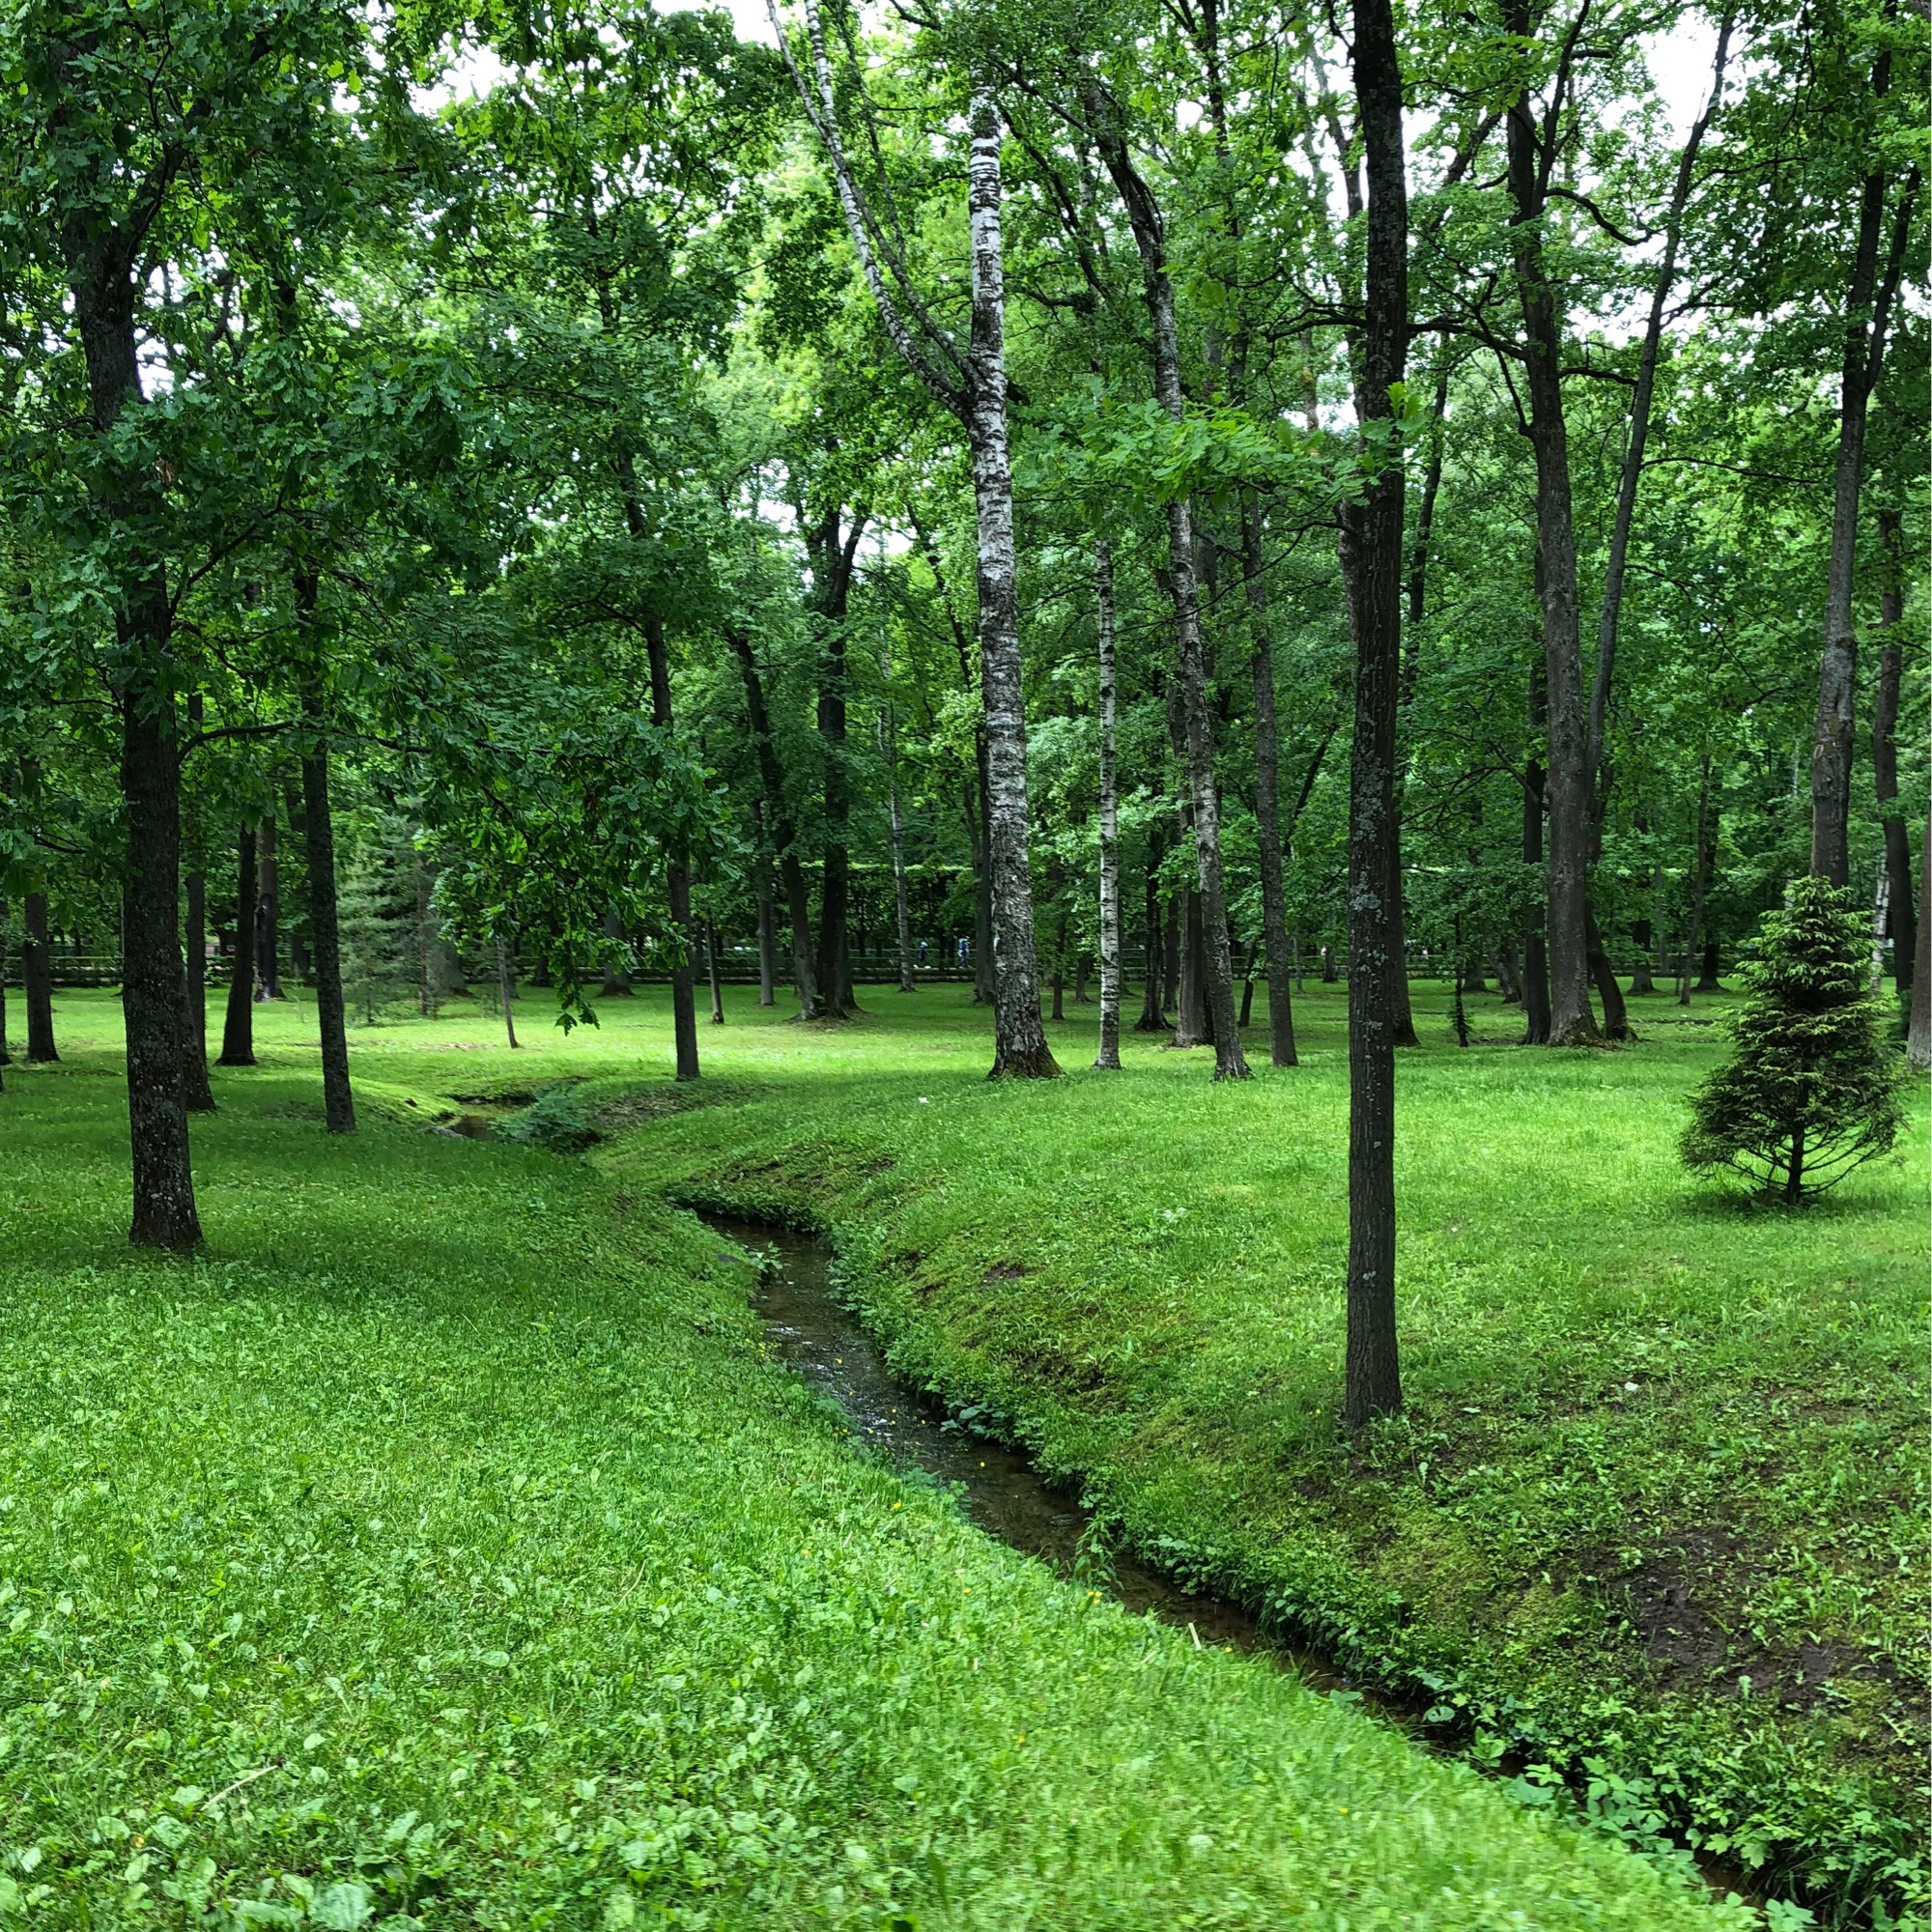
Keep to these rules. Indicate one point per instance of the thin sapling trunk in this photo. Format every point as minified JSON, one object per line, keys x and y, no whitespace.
{"x":1109,"y":1055}
{"x":237,"y":1029}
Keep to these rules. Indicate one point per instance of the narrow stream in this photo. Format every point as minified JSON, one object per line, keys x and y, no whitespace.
{"x":1004,"y":1494}
{"x":1002,"y":1491}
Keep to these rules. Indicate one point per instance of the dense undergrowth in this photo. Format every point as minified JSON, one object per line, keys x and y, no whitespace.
{"x":442,"y":1548}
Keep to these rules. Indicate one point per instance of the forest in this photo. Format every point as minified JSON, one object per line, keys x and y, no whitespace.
{"x":1201,"y":724}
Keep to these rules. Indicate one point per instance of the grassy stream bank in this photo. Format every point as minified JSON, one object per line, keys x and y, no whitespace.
{"x":444,"y":1547}
{"x":1655,"y":1513}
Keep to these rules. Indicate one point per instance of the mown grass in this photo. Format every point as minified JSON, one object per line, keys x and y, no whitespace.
{"x":444,"y":1547}
{"x":1655,"y":1514}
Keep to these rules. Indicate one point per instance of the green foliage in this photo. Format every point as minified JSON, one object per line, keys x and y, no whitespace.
{"x":555,"y":1122}
{"x":1812,"y":1087}
{"x":445,"y":1549}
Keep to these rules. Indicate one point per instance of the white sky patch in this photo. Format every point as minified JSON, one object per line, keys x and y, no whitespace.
{"x":1680,"y":66}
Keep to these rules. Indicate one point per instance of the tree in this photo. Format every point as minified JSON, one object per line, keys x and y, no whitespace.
{"x":1878,"y":266}
{"x":375,"y":920}
{"x":1812,"y":1090}
{"x":138,"y":143}
{"x":1109,"y":1055}
{"x":972,"y":387}
{"x":1371,"y":560}
{"x":1143,"y":218}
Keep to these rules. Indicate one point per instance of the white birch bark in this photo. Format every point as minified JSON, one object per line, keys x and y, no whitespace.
{"x":1109,"y":1055}
{"x":1020,"y":1038}
{"x":1881,"y":919}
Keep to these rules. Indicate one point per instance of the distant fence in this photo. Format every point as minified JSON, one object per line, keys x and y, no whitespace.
{"x":737,"y":966}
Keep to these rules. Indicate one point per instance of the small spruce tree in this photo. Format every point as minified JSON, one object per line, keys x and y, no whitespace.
{"x":1812,"y":1090}
{"x":377,"y":921}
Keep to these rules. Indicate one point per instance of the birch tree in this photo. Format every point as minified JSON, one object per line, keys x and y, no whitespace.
{"x":971,"y":385}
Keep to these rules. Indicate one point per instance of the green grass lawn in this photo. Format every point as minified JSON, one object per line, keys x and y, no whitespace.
{"x":442,"y":1548}
{"x":1656,"y":1512}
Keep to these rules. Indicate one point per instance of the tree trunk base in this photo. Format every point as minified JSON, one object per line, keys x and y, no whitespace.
{"x":1581,"y":1031}
{"x":1039,"y":1065}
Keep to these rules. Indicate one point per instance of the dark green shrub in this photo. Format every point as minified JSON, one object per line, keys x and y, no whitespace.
{"x":1812,"y":1090}
{"x":555,"y":1122}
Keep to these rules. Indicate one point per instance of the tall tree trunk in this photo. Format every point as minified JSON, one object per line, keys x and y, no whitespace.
{"x":37,"y":978}
{"x":195,"y":895}
{"x":338,"y":1102}
{"x":1699,"y":882}
{"x":1571,"y":1021}
{"x":6,"y":1055}
{"x":164,"y":1212}
{"x":1867,"y":312}
{"x":1020,"y":1048}
{"x":1206,"y":28}
{"x":1194,"y":1012}
{"x":783,"y":834}
{"x":1642,"y":980}
{"x":1193,"y":1024}
{"x":1535,"y":961}
{"x":1371,"y":552}
{"x":978,"y":793}
{"x":1144,"y":216}
{"x":1403,"y":1016}
{"x":197,"y":1096}
{"x":683,"y":997}
{"x":1268,"y":797}
{"x":237,"y":1029}
{"x":268,"y":913}
{"x":1616,"y":1021}
{"x":101,"y":273}
{"x":1904,"y":928}
{"x":1169,"y":953}
{"x":1918,"y":1028}
{"x":832,"y":572}
{"x":426,"y":988}
{"x":442,"y":959}
{"x":767,"y":938}
{"x":901,"y":902}
{"x":983,"y":886}
{"x":1153,"y":1011}
{"x":1109,"y":1055}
